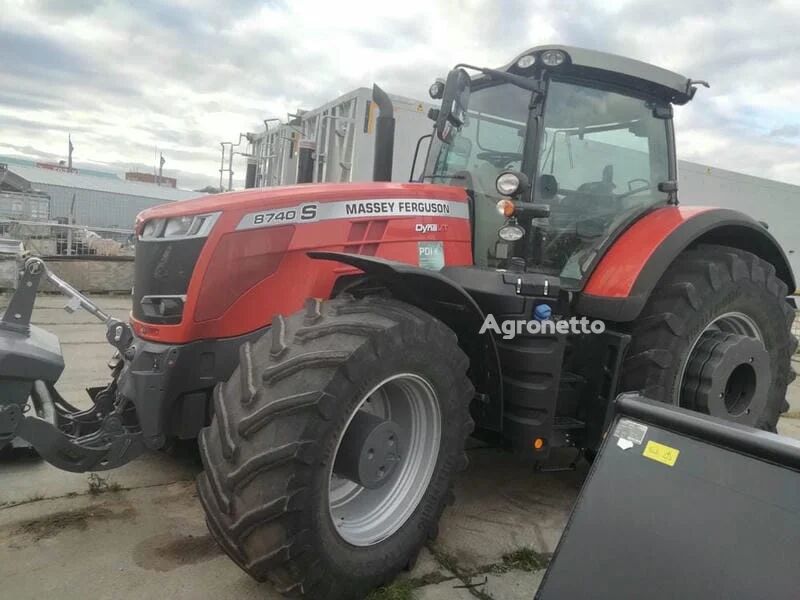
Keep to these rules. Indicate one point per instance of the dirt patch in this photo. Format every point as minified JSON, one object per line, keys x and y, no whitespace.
{"x":167,"y":552}
{"x":183,"y":493}
{"x":51,"y":525}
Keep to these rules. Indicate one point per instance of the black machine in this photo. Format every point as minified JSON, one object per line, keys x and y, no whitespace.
{"x":682,"y":505}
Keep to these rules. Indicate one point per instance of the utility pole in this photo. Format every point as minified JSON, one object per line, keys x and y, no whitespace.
{"x":71,"y":148}
{"x":70,"y":221}
{"x":222,"y":164}
{"x":230,"y":168}
{"x":160,"y":168}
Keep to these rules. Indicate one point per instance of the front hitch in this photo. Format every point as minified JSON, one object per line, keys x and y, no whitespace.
{"x":102,"y":437}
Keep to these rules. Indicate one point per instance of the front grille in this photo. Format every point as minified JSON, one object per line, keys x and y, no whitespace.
{"x":163,"y":269}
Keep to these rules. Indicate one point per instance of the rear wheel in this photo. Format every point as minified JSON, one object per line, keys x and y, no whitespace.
{"x":715,"y":337}
{"x":333,"y":447}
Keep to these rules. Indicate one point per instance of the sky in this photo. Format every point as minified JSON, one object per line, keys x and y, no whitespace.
{"x":130,"y":79}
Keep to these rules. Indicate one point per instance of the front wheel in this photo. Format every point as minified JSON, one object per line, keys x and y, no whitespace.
{"x":715,"y":337}
{"x":333,"y":447}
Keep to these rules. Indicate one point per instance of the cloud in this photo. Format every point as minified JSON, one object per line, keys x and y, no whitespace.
{"x":126,"y":78}
{"x":788,"y":130}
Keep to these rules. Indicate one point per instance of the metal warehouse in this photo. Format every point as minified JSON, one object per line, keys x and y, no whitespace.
{"x":100,"y":199}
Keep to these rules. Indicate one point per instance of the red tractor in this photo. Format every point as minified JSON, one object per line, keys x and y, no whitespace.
{"x":333,"y":345}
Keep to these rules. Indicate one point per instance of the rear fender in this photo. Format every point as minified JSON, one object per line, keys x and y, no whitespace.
{"x":623,"y":279}
{"x":451,"y":304}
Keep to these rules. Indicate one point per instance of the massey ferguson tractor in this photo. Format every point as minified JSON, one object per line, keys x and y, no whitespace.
{"x":328,"y":343}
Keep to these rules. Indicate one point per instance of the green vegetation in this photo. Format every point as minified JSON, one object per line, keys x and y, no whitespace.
{"x":101,"y":485}
{"x":398,"y":590}
{"x":524,"y":559}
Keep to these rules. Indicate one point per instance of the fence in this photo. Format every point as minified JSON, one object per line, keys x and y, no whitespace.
{"x":49,"y":238}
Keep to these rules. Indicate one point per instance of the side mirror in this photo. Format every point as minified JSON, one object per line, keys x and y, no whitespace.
{"x":455,"y":100}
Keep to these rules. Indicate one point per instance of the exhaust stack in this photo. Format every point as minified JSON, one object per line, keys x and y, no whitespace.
{"x":250,"y":175}
{"x":384,"y":136}
{"x":305,"y":161}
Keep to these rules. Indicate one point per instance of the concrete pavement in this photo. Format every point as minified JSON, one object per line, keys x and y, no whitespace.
{"x":144,"y":534}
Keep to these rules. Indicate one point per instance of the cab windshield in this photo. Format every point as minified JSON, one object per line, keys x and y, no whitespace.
{"x":601,"y":155}
{"x":490,"y":142}
{"x":601,"y":159}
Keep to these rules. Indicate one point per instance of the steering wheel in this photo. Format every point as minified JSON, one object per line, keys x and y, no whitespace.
{"x":499,"y":159}
{"x":631,"y":190}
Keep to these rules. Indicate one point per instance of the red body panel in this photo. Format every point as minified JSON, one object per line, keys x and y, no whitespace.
{"x":296,"y":276}
{"x":619,"y":268}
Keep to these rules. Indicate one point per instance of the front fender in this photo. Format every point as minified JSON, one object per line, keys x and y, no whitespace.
{"x":623,"y":279}
{"x":450,"y":303}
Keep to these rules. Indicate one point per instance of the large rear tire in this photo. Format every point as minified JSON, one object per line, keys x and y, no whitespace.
{"x":272,"y":499}
{"x":708,"y":299}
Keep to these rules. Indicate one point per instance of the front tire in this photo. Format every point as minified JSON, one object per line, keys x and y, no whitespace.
{"x":710,"y":297}
{"x":272,"y":499}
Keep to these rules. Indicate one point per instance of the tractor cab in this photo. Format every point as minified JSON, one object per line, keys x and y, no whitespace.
{"x":560,"y":150}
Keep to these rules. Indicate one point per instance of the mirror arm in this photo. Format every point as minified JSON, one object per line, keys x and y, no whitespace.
{"x":534,"y":85}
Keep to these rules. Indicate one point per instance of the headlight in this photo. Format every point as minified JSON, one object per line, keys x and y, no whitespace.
{"x":189,"y":226}
{"x":178,"y":227}
{"x":553,"y":58}
{"x":508,"y":184}
{"x":511,"y":233}
{"x":526,"y":61}
{"x":436,"y":90}
{"x":153,"y":228}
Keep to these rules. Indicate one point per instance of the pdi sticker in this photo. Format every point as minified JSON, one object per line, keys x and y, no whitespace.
{"x":630,"y":431}
{"x":431,"y":255}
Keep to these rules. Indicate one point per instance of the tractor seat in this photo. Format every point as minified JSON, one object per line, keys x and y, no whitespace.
{"x":593,"y":195}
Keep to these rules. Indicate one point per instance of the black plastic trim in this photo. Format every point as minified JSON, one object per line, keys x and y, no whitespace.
{"x":163,"y":268}
{"x":759,"y":444}
{"x":162,"y":378}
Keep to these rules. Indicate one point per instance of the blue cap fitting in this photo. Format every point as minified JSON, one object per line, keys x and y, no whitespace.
{"x":542,"y":312}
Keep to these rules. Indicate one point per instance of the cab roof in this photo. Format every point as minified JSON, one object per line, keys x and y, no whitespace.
{"x":620,"y":70}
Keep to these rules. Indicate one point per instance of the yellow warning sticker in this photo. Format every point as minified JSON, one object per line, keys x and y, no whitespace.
{"x":661,"y":453}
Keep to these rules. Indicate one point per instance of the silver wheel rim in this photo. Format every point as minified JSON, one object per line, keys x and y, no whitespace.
{"x":365,"y":517}
{"x":730,"y":322}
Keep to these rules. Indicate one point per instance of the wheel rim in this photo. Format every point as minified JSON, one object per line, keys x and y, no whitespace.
{"x":365,"y":517}
{"x":730,"y":322}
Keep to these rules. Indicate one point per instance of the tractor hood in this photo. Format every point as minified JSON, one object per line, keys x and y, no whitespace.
{"x":220,"y":266}
{"x":277,"y":197}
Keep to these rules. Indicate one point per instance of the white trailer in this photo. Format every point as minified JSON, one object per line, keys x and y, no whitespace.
{"x":341,"y":138}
